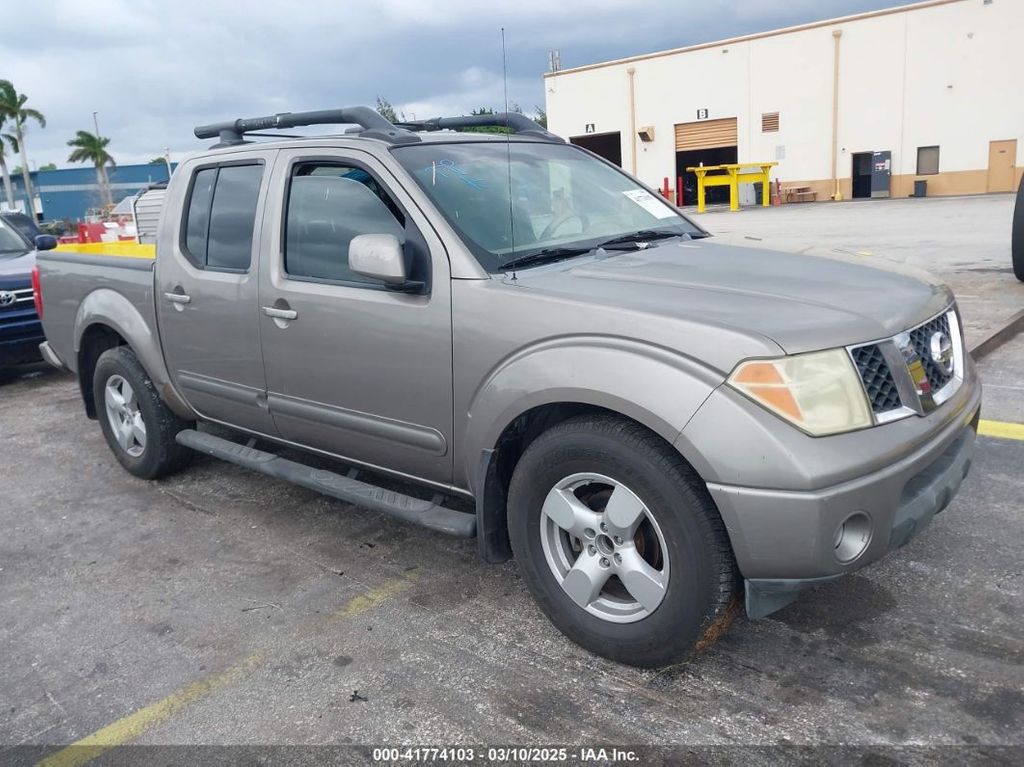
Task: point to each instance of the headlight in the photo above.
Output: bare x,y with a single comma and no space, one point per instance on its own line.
819,392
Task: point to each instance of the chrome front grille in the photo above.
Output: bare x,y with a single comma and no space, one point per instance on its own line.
921,337
877,378
913,372
22,298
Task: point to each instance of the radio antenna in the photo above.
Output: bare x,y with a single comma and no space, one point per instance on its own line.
508,151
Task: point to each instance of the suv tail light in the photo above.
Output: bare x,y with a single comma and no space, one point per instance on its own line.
37,291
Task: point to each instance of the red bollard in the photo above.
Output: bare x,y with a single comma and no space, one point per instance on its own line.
679,191
664,188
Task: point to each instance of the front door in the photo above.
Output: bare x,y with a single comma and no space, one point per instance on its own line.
353,368
1002,165
861,174
207,288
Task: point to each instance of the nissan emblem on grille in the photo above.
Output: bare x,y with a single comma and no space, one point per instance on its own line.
7,298
941,347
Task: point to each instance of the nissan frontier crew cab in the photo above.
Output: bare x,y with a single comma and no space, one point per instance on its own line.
646,420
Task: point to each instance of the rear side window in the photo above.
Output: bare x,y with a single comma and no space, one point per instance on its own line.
222,216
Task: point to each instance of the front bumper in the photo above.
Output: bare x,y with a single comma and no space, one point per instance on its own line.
785,540
21,350
924,495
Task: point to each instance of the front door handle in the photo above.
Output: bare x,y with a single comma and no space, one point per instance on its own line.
178,298
280,314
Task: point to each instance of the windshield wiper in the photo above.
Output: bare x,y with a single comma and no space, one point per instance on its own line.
644,235
546,256
550,255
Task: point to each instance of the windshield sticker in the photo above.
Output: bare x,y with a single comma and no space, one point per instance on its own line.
647,201
448,169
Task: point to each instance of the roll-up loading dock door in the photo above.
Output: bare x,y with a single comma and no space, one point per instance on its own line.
706,134
707,142
607,145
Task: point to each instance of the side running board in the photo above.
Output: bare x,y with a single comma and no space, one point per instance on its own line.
425,513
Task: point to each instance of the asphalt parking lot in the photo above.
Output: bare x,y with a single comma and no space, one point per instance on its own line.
220,606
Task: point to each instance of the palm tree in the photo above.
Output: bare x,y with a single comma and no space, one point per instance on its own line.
92,148
8,186
12,107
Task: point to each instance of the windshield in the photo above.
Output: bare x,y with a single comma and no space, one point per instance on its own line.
561,198
10,241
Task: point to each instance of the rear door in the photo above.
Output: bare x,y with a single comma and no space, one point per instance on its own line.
207,288
353,368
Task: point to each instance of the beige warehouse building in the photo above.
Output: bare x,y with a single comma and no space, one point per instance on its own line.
857,106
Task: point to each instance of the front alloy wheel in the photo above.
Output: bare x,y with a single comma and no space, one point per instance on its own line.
619,541
604,547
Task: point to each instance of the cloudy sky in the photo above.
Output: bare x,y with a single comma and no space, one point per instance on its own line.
153,69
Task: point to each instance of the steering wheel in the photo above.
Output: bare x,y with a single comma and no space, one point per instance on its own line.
559,221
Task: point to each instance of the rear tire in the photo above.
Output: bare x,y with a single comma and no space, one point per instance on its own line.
138,426
1017,234
628,494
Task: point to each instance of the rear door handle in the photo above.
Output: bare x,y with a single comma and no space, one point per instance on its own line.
178,298
280,314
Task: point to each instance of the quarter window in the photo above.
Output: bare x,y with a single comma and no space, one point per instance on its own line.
222,216
198,223
329,205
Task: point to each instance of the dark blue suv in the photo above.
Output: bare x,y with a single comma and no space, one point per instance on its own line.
21,332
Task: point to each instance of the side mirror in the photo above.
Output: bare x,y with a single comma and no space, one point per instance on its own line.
378,256
45,242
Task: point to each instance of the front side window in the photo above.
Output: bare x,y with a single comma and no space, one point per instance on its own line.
222,216
329,205
510,200
11,243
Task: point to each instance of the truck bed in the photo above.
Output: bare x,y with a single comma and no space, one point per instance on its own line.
70,279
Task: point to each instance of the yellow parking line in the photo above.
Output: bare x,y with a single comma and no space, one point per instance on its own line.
130,727
366,602
1001,429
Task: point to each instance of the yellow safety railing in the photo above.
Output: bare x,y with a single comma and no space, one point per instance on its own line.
734,175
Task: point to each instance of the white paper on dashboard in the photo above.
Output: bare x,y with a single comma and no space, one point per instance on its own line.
647,201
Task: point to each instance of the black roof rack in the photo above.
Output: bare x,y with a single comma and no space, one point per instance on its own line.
371,125
515,122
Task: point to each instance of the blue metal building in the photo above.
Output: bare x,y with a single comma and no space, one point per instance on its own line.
67,193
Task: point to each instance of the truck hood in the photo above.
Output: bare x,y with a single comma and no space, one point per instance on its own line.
17,265
800,302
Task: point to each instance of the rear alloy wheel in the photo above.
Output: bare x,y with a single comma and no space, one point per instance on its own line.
124,417
138,426
619,541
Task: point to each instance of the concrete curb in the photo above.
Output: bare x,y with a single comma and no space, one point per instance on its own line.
994,340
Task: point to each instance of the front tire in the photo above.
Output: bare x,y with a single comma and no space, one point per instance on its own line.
1017,234
619,541
138,426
